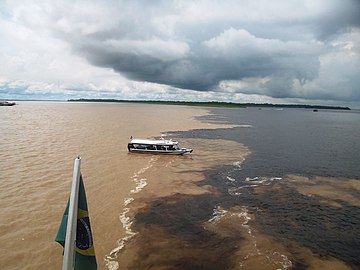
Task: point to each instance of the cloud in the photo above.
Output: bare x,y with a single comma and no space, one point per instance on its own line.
277,49
243,55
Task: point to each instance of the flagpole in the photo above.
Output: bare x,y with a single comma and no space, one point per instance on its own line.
69,248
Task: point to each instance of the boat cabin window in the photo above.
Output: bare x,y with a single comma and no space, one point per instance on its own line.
139,146
151,147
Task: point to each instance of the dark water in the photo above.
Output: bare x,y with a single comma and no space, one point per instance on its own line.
294,141
322,148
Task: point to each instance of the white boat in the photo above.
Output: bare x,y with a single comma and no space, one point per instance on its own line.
157,146
7,103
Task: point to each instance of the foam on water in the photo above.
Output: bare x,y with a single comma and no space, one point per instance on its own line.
217,214
237,164
230,179
128,201
262,180
140,183
255,250
251,183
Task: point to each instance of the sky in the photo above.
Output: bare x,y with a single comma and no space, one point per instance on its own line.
279,51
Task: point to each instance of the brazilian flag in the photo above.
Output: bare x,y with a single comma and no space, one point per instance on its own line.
84,250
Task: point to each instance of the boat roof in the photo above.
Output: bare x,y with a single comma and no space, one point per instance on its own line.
156,142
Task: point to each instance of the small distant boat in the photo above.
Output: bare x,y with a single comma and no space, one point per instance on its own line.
7,103
315,110
157,146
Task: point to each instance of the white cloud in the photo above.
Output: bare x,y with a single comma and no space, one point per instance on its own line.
295,50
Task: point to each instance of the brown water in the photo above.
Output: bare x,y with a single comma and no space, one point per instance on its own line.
39,142
162,212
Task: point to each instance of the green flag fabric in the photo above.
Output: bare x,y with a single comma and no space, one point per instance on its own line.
84,250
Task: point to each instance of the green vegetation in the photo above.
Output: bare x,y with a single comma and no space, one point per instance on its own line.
184,103
214,104
201,104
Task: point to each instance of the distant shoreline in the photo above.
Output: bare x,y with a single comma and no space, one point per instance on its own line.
214,104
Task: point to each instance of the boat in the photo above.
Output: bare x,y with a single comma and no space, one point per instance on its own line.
157,146
7,103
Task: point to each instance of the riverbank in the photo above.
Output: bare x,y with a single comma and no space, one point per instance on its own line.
215,104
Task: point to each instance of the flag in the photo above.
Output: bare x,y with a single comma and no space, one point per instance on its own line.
84,249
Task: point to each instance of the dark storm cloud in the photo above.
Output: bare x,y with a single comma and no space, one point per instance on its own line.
338,17
195,46
233,55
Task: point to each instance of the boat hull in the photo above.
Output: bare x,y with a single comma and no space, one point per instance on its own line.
6,103
157,146
160,152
